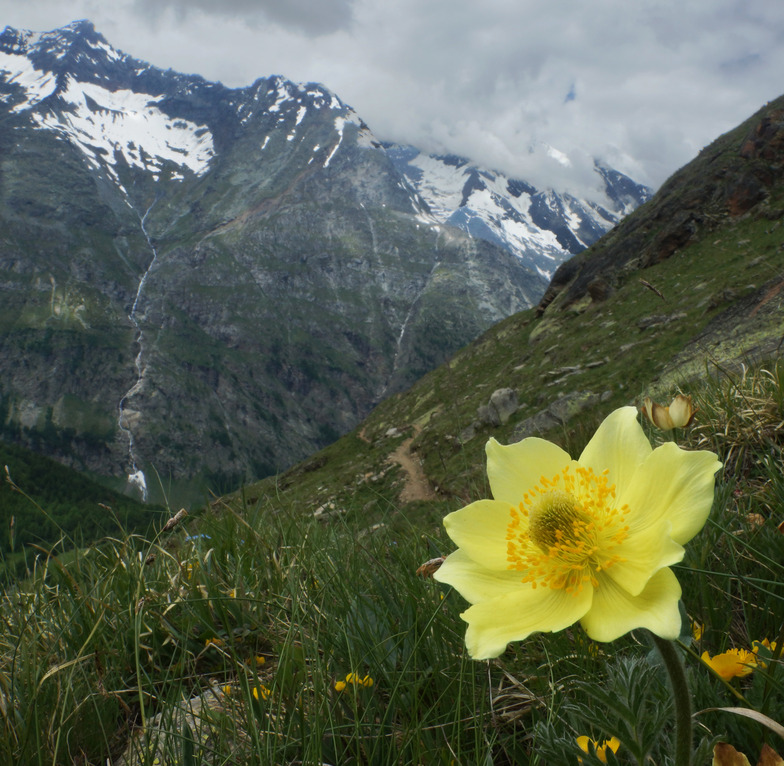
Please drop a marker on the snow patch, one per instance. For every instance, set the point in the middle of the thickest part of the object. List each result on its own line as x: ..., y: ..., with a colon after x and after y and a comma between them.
x: 110, y: 52
x: 105, y: 124
x: 340, y: 123
x: 37, y: 84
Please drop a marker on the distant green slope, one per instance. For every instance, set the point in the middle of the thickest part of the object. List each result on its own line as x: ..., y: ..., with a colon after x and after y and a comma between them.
x: 42, y: 502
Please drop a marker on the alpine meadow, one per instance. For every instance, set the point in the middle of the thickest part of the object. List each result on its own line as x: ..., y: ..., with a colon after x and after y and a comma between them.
x: 324, y: 450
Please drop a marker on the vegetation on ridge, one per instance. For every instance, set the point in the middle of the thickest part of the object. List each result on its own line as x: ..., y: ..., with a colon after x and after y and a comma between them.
x: 57, y: 504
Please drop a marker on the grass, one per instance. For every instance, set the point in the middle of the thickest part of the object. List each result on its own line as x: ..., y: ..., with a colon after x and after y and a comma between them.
x: 231, y: 637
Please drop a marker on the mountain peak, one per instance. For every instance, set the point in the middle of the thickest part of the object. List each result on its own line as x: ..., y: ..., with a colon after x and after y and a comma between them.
x: 81, y: 27
x: 71, y: 48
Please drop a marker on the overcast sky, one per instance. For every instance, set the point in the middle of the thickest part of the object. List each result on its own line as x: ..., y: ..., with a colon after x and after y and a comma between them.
x: 641, y: 84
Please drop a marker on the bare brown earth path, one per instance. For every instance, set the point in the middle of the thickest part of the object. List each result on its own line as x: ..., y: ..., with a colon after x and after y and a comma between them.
x: 416, y: 486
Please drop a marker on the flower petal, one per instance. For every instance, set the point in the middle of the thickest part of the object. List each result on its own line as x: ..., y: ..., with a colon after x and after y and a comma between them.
x: 619, y: 445
x: 675, y: 485
x: 473, y: 581
x: 681, y: 411
x: 480, y: 530
x: 615, y: 612
x: 513, y: 617
x: 514, y: 468
x: 644, y: 553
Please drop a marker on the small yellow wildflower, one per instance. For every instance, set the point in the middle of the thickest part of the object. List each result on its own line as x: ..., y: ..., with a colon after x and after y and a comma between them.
x: 261, y: 691
x: 734, y: 663
x: 355, y: 680
x: 213, y: 642
x: 697, y: 629
x: 226, y: 690
x: 589, y: 540
x: 601, y: 750
x: 763, y: 650
x: 765, y: 643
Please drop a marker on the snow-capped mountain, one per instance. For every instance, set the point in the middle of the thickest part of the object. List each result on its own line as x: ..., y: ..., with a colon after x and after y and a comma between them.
x: 207, y: 283
x: 119, y: 111
x: 542, y: 227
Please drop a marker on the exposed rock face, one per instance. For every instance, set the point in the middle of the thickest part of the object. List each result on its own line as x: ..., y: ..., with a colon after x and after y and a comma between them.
x: 210, y: 283
x: 560, y: 412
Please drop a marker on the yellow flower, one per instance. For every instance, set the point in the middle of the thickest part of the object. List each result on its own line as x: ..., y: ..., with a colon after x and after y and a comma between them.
x: 763, y: 650
x: 262, y: 691
x: 765, y: 643
x: 589, y: 539
x: 354, y: 678
x: 697, y: 629
x: 679, y: 414
x: 601, y: 750
x: 734, y: 663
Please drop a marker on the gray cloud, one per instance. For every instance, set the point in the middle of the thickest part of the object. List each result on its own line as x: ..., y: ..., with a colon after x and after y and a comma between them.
x: 311, y: 18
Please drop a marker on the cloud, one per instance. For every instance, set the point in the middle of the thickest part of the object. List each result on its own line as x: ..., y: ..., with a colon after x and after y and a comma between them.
x: 312, y: 17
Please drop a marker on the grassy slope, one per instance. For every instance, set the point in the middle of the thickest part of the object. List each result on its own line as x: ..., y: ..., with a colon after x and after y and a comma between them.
x: 592, y: 347
x: 42, y: 503
x: 314, y: 570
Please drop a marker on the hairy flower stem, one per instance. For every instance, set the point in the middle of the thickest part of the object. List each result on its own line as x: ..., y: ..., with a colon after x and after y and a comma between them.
x: 681, y: 697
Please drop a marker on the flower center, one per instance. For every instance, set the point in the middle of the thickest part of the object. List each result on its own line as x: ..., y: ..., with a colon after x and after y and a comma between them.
x: 564, y: 532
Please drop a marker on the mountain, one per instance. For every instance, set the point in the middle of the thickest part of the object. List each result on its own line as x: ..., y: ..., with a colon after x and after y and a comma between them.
x: 543, y: 227
x: 687, y: 288
x: 202, y: 285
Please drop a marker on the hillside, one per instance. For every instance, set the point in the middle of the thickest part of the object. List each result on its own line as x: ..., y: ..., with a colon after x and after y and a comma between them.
x: 690, y: 284
x: 43, y: 503
x: 290, y: 622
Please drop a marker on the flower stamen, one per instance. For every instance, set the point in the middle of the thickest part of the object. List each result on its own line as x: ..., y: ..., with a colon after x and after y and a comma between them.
x: 562, y: 534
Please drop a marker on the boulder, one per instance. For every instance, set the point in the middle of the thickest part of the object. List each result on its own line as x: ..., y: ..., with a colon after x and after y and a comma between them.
x: 558, y: 413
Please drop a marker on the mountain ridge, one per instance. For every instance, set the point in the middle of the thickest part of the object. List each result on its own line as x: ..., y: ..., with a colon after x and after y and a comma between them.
x: 249, y: 272
x: 541, y: 226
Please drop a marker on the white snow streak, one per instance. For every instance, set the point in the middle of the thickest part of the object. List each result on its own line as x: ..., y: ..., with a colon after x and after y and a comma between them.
x: 339, y: 125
